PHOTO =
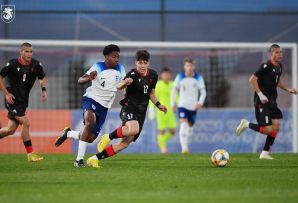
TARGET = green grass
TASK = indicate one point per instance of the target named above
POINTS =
(150, 178)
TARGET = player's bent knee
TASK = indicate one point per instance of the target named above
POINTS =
(89, 125)
(268, 130)
(26, 124)
(10, 131)
(276, 128)
(90, 139)
(133, 130)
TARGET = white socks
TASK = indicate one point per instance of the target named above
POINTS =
(190, 133)
(73, 134)
(81, 150)
(183, 134)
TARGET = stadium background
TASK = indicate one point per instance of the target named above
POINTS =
(226, 72)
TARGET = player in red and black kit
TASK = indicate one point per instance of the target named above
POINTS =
(265, 82)
(21, 74)
(140, 87)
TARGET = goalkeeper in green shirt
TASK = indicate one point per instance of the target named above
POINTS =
(166, 123)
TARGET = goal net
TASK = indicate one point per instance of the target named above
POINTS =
(226, 68)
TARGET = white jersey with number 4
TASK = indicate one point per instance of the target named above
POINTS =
(189, 89)
(103, 88)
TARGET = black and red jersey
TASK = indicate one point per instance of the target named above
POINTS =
(21, 77)
(268, 78)
(138, 93)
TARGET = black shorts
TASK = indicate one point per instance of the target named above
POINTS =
(128, 114)
(15, 110)
(265, 114)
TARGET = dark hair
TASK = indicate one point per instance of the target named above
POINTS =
(25, 44)
(273, 46)
(109, 49)
(189, 60)
(165, 69)
(142, 55)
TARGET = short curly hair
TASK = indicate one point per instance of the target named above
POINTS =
(109, 49)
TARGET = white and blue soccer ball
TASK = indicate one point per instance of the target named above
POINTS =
(220, 158)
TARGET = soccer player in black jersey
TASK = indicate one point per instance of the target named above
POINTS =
(21, 74)
(265, 82)
(139, 90)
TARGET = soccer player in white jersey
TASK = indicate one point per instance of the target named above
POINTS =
(192, 94)
(98, 98)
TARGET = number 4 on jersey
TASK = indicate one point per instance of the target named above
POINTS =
(103, 83)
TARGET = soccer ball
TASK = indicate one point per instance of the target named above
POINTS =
(220, 158)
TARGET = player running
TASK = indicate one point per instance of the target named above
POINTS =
(133, 111)
(21, 74)
(166, 123)
(189, 84)
(265, 82)
(98, 98)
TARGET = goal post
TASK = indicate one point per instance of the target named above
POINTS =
(167, 49)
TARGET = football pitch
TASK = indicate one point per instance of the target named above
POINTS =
(150, 178)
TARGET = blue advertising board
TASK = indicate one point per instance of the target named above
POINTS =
(214, 128)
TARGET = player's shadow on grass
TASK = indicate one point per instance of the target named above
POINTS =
(135, 159)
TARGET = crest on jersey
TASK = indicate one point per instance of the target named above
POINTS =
(265, 65)
(117, 78)
(7, 13)
(18, 68)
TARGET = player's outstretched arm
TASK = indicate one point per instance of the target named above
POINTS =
(44, 95)
(283, 86)
(154, 100)
(124, 83)
(8, 96)
(87, 78)
(203, 94)
(253, 80)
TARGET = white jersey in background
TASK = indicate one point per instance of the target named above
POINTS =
(103, 88)
(188, 88)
